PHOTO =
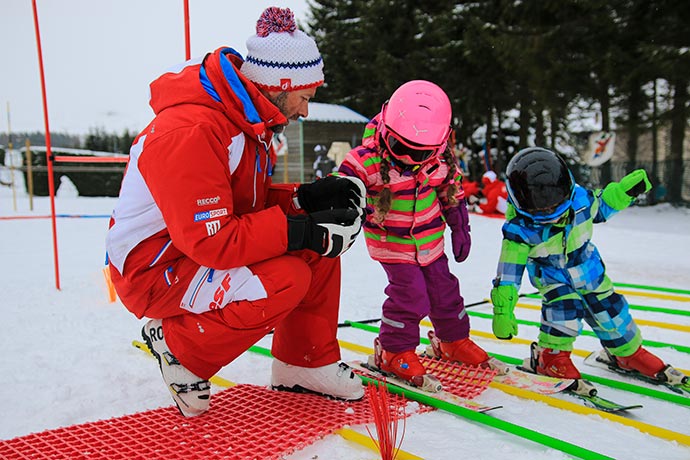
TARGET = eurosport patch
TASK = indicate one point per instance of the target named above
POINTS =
(205, 215)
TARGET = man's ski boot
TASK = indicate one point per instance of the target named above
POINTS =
(646, 364)
(463, 351)
(336, 380)
(405, 366)
(192, 394)
(557, 363)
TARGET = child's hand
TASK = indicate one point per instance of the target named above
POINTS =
(636, 183)
(504, 324)
(619, 195)
(458, 220)
(461, 242)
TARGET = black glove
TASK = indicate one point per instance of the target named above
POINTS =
(332, 192)
(329, 233)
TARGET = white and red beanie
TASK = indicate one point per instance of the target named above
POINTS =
(281, 57)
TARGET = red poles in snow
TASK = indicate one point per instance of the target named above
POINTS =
(187, 42)
(50, 158)
(49, 153)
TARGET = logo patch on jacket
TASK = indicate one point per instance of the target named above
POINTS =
(205, 215)
(212, 227)
(207, 201)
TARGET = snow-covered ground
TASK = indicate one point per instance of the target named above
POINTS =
(66, 356)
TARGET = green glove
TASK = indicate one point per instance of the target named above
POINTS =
(620, 195)
(504, 324)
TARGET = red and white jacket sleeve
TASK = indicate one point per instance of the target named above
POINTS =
(187, 182)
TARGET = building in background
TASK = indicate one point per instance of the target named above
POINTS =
(327, 124)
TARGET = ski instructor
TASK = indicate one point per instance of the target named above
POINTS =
(202, 242)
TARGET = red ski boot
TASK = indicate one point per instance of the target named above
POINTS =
(641, 361)
(555, 363)
(406, 366)
(463, 351)
(649, 365)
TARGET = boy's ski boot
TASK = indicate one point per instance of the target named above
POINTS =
(647, 365)
(557, 363)
(463, 351)
(404, 365)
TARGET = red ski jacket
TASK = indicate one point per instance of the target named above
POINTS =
(198, 182)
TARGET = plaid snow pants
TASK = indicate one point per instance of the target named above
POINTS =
(606, 312)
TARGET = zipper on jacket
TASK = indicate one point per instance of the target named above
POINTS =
(256, 171)
(414, 213)
(269, 170)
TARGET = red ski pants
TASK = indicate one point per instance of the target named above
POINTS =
(303, 297)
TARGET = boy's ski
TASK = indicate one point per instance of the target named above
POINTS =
(589, 397)
(606, 405)
(601, 360)
(373, 372)
(580, 389)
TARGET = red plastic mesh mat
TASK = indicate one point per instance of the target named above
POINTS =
(459, 379)
(244, 422)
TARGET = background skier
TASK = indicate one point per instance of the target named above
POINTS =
(323, 165)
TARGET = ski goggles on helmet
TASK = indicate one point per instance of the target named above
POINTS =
(409, 152)
(547, 215)
(550, 215)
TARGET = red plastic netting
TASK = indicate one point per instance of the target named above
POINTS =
(461, 380)
(244, 422)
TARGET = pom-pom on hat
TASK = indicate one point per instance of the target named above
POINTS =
(281, 57)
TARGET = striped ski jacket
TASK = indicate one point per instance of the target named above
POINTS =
(412, 232)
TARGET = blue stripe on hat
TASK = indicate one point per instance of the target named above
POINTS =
(285, 65)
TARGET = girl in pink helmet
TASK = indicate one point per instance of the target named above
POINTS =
(413, 192)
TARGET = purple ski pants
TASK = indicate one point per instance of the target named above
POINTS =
(415, 292)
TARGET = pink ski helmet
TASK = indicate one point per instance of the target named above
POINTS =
(416, 122)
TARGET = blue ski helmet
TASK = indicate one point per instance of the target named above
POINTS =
(539, 184)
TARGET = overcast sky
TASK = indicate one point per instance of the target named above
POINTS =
(99, 56)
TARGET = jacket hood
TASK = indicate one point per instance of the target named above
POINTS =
(217, 83)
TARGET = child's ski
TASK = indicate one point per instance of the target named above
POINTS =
(606, 405)
(505, 373)
(373, 372)
(533, 382)
(601, 360)
(589, 397)
(581, 389)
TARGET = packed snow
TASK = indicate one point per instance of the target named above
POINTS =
(67, 356)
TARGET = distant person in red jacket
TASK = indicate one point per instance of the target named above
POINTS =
(202, 241)
(471, 188)
(495, 198)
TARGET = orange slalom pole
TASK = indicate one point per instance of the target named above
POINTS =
(49, 153)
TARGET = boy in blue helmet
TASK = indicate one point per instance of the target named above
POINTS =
(548, 230)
